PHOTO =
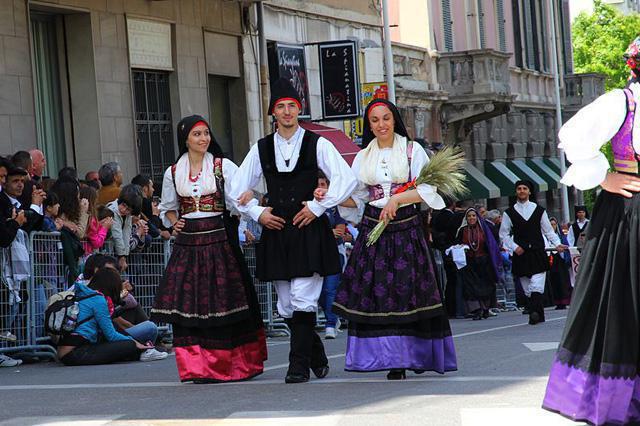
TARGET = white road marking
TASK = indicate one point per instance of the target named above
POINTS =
(541, 346)
(530, 416)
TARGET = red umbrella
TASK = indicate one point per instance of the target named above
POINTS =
(338, 138)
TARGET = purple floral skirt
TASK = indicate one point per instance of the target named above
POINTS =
(390, 296)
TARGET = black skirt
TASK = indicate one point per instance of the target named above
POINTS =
(594, 376)
(297, 252)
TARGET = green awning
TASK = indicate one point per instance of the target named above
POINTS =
(520, 168)
(479, 185)
(554, 163)
(502, 177)
(547, 173)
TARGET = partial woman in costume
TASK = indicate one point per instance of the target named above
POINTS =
(207, 293)
(559, 274)
(483, 269)
(388, 291)
(594, 377)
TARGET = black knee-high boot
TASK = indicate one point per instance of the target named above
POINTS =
(536, 308)
(319, 361)
(301, 350)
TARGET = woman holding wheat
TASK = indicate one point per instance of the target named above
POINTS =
(388, 291)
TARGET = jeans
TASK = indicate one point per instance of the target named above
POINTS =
(102, 353)
(40, 305)
(144, 332)
(328, 295)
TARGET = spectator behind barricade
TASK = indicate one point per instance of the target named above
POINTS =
(10, 222)
(38, 164)
(97, 230)
(81, 347)
(68, 174)
(93, 179)
(128, 316)
(330, 283)
(22, 160)
(110, 176)
(140, 238)
(250, 231)
(150, 212)
(51, 206)
(75, 217)
(11, 207)
(129, 202)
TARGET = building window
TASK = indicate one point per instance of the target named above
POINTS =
(154, 136)
(517, 33)
(50, 131)
(220, 108)
(447, 25)
(481, 32)
(502, 39)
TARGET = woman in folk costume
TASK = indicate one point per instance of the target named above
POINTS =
(594, 377)
(207, 292)
(559, 274)
(480, 275)
(388, 291)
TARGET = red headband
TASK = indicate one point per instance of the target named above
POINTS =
(288, 99)
(200, 123)
(374, 104)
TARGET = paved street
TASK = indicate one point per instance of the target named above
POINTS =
(502, 363)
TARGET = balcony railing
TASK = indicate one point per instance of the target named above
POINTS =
(482, 73)
(582, 89)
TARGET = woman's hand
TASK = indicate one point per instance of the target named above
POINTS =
(177, 227)
(245, 197)
(319, 194)
(621, 183)
(106, 223)
(143, 347)
(388, 213)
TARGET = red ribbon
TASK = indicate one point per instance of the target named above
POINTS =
(407, 186)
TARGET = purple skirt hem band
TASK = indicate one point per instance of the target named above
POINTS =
(583, 396)
(368, 354)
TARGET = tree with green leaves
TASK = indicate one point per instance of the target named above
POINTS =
(600, 39)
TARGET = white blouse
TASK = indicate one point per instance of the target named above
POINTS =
(329, 161)
(419, 159)
(171, 202)
(586, 132)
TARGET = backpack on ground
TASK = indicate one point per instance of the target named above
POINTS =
(61, 315)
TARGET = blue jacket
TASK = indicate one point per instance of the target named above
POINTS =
(101, 322)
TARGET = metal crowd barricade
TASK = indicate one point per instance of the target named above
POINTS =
(266, 296)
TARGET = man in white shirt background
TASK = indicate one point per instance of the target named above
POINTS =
(521, 233)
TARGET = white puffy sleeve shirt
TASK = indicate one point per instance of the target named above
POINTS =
(586, 132)
(171, 202)
(419, 159)
(330, 162)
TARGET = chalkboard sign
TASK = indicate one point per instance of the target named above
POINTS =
(287, 61)
(339, 84)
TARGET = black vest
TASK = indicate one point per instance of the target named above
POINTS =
(528, 235)
(294, 252)
(577, 232)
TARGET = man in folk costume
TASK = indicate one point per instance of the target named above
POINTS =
(297, 248)
(521, 232)
(578, 229)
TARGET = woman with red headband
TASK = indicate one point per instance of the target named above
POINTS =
(389, 292)
(207, 293)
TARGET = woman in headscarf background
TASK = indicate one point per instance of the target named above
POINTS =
(207, 293)
(388, 291)
(559, 275)
(480, 275)
(595, 373)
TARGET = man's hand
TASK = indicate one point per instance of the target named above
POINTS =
(271, 221)
(59, 223)
(122, 264)
(155, 210)
(165, 235)
(19, 217)
(561, 247)
(38, 196)
(621, 183)
(304, 216)
(245, 197)
(338, 232)
(519, 251)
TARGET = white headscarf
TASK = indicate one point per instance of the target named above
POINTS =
(184, 187)
(398, 166)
